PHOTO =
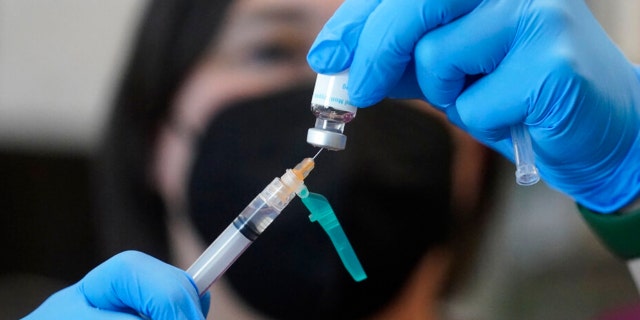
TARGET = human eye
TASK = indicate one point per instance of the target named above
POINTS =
(272, 53)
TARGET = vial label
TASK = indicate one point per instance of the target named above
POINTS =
(330, 91)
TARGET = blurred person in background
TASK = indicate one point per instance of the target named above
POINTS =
(214, 103)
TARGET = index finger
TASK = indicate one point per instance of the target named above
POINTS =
(333, 48)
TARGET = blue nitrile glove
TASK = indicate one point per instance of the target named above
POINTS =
(492, 64)
(130, 285)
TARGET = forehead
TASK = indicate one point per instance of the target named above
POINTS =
(311, 11)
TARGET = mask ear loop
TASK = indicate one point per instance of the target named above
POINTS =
(322, 212)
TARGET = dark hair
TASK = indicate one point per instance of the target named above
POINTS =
(171, 37)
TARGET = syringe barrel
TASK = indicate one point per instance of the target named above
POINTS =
(218, 257)
(237, 237)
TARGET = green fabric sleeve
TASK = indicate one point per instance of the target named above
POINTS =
(620, 233)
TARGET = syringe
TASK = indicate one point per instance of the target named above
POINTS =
(248, 225)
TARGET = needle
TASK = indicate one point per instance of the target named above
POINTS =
(314, 157)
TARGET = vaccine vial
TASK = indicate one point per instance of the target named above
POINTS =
(332, 109)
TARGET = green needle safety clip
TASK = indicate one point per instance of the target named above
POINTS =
(322, 212)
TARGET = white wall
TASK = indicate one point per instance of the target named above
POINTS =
(58, 59)
(621, 19)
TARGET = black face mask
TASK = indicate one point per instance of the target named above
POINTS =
(389, 188)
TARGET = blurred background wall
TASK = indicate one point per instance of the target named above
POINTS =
(59, 61)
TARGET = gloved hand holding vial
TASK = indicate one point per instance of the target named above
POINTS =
(491, 65)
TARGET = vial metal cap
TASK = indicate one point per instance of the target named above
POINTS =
(326, 139)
